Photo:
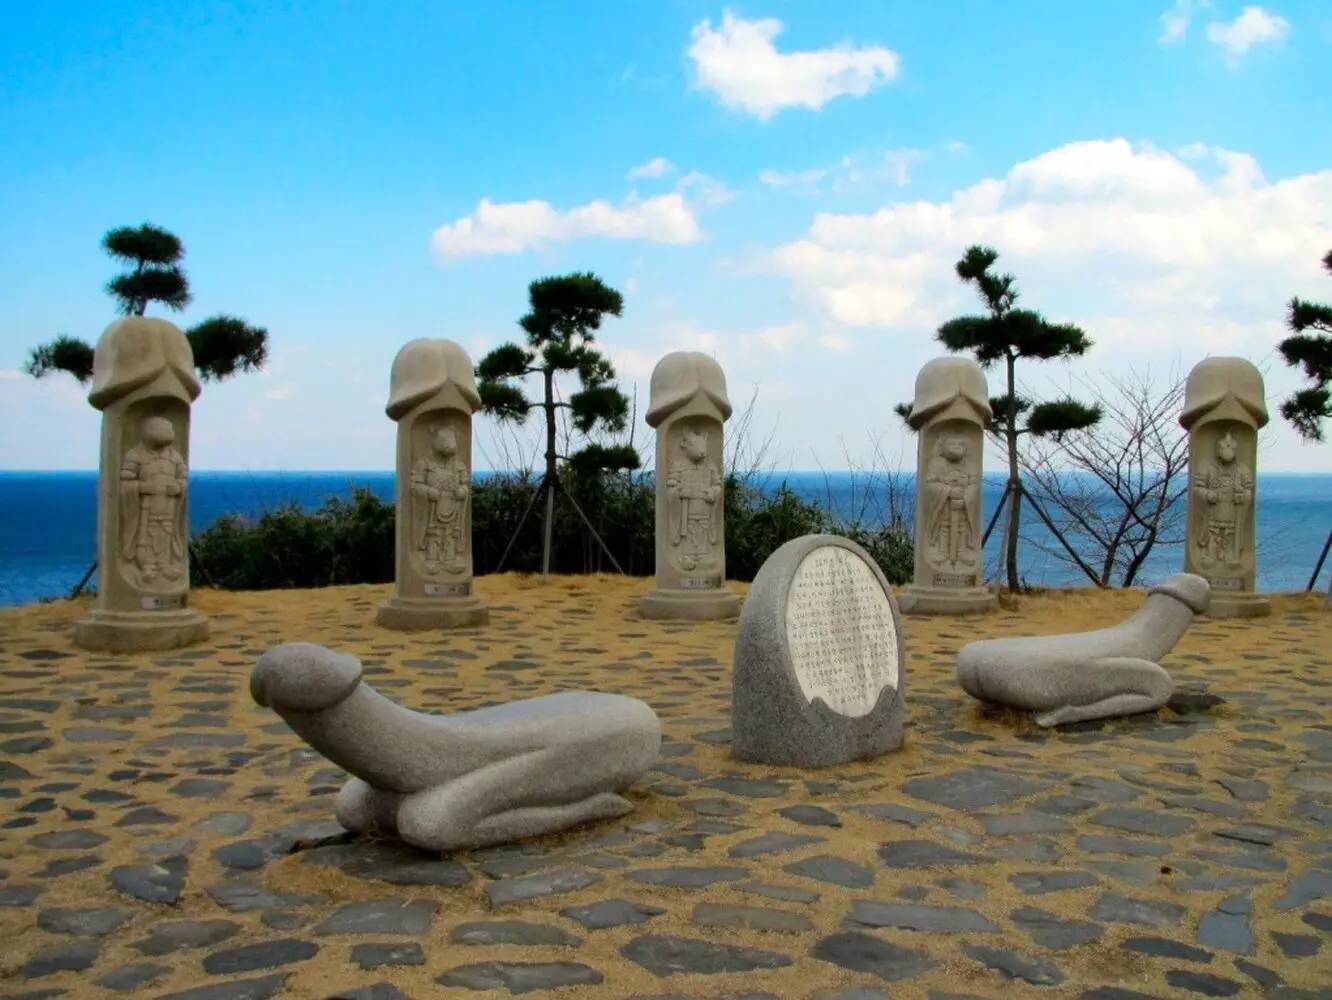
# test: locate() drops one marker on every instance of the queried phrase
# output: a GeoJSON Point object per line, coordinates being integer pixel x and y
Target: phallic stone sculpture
{"type": "Point", "coordinates": [949, 413]}
{"type": "Point", "coordinates": [1088, 675]}
{"type": "Point", "coordinates": [143, 382]}
{"type": "Point", "coordinates": [432, 396]}
{"type": "Point", "coordinates": [687, 408]}
{"type": "Point", "coordinates": [820, 659]}
{"type": "Point", "coordinates": [1224, 407]}
{"type": "Point", "coordinates": [475, 779]}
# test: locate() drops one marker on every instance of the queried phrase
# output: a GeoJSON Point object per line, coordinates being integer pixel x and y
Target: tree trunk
{"type": "Point", "coordinates": [549, 407]}
{"type": "Point", "coordinates": [1014, 485]}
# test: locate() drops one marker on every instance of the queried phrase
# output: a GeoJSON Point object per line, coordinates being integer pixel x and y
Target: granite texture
{"type": "Point", "coordinates": [474, 779]}
{"type": "Point", "coordinates": [1088, 675]}
{"type": "Point", "coordinates": [772, 722]}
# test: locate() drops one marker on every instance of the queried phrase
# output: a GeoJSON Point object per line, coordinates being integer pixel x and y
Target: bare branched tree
{"type": "Point", "coordinates": [1118, 489]}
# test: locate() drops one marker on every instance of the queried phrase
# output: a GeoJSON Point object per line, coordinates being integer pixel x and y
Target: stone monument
{"type": "Point", "coordinates": [820, 659]}
{"type": "Point", "coordinates": [1224, 406]}
{"type": "Point", "coordinates": [1088, 675]}
{"type": "Point", "coordinates": [474, 779]}
{"type": "Point", "coordinates": [432, 396]}
{"type": "Point", "coordinates": [143, 383]}
{"type": "Point", "coordinates": [687, 408]}
{"type": "Point", "coordinates": [949, 415]}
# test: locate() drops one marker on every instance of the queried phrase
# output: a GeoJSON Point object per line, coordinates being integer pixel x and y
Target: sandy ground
{"type": "Point", "coordinates": [73, 723]}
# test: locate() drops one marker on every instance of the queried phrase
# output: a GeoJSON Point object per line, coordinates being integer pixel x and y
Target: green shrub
{"type": "Point", "coordinates": [349, 541]}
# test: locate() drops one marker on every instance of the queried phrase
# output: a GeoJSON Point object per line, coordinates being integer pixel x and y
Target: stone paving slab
{"type": "Point", "coordinates": [163, 837]}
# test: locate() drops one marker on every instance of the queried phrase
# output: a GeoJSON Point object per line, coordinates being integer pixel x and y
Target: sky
{"type": "Point", "coordinates": [783, 184]}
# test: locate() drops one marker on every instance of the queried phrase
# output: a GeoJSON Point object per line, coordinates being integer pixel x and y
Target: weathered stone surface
{"type": "Point", "coordinates": [168, 937]}
{"type": "Point", "coordinates": [809, 815]}
{"type": "Point", "coordinates": [264, 955]}
{"type": "Point", "coordinates": [1092, 675]}
{"type": "Point", "coordinates": [1115, 908]}
{"type": "Point", "coordinates": [84, 923]}
{"type": "Point", "coordinates": [521, 977]}
{"type": "Point", "coordinates": [771, 843]}
{"type": "Point", "coordinates": [919, 853]}
{"type": "Point", "coordinates": [836, 871]}
{"type": "Point", "coordinates": [161, 882]}
{"type": "Point", "coordinates": [74, 956]}
{"type": "Point", "coordinates": [376, 956]}
{"type": "Point", "coordinates": [381, 916]}
{"type": "Point", "coordinates": [684, 877]}
{"type": "Point", "coordinates": [397, 864]}
{"type": "Point", "coordinates": [552, 883]}
{"type": "Point", "coordinates": [1146, 821]}
{"type": "Point", "coordinates": [665, 955]}
{"type": "Point", "coordinates": [919, 917]}
{"type": "Point", "coordinates": [859, 952]}
{"type": "Point", "coordinates": [612, 913]}
{"type": "Point", "coordinates": [1159, 947]}
{"type": "Point", "coordinates": [1229, 927]}
{"type": "Point", "coordinates": [1203, 983]}
{"type": "Point", "coordinates": [1039, 883]}
{"type": "Point", "coordinates": [131, 978]}
{"type": "Point", "coordinates": [972, 788]}
{"type": "Point", "coordinates": [491, 932]}
{"type": "Point", "coordinates": [751, 918]}
{"type": "Point", "coordinates": [1011, 965]}
{"type": "Point", "coordinates": [569, 754]}
{"type": "Point", "coordinates": [1054, 932]}
{"type": "Point", "coordinates": [261, 988]}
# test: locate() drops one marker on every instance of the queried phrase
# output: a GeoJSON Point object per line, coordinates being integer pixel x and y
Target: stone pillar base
{"type": "Point", "coordinates": [1230, 604]}
{"type": "Point", "coordinates": [939, 601]}
{"type": "Point", "coordinates": [139, 632]}
{"type": "Point", "coordinates": [418, 614]}
{"type": "Point", "coordinates": [692, 605]}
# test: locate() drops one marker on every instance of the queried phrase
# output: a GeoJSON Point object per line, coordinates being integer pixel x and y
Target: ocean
{"type": "Point", "coordinates": [48, 522]}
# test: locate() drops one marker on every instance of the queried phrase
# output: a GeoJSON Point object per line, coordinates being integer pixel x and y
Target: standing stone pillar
{"type": "Point", "coordinates": [687, 408]}
{"type": "Point", "coordinates": [949, 414]}
{"type": "Point", "coordinates": [1224, 406]}
{"type": "Point", "coordinates": [143, 383]}
{"type": "Point", "coordinates": [432, 396]}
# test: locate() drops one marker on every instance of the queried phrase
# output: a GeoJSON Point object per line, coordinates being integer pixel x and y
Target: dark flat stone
{"type": "Point", "coordinates": [1054, 932]}
{"type": "Point", "coordinates": [665, 955]}
{"type": "Point", "coordinates": [920, 917]}
{"type": "Point", "coordinates": [771, 843]}
{"type": "Point", "coordinates": [1297, 945]}
{"type": "Point", "coordinates": [392, 862]}
{"type": "Point", "coordinates": [263, 988]}
{"type": "Point", "coordinates": [1011, 965]}
{"type": "Point", "coordinates": [1147, 821]}
{"type": "Point", "coordinates": [162, 882]}
{"type": "Point", "coordinates": [84, 923]}
{"type": "Point", "coordinates": [895, 813]}
{"type": "Point", "coordinates": [612, 913]}
{"type": "Point", "coordinates": [754, 918]}
{"type": "Point", "coordinates": [129, 978]}
{"type": "Point", "coordinates": [1099, 844]}
{"type": "Point", "coordinates": [858, 952]}
{"type": "Point", "coordinates": [1198, 803]}
{"type": "Point", "coordinates": [919, 853]}
{"type": "Point", "coordinates": [241, 896]}
{"type": "Point", "coordinates": [971, 788]}
{"type": "Point", "coordinates": [69, 840]}
{"type": "Point", "coordinates": [27, 744]}
{"type": "Point", "coordinates": [264, 955]}
{"type": "Point", "coordinates": [377, 991]}
{"type": "Point", "coordinates": [200, 788]}
{"type": "Point", "coordinates": [251, 855]}
{"type": "Point", "coordinates": [1305, 888]}
{"type": "Point", "coordinates": [1229, 927]}
{"type": "Point", "coordinates": [375, 956]}
{"type": "Point", "coordinates": [833, 870]}
{"type": "Point", "coordinates": [684, 877]}
{"type": "Point", "coordinates": [1202, 983]}
{"type": "Point", "coordinates": [1159, 947]}
{"type": "Point", "coordinates": [1115, 908]}
{"type": "Point", "coordinates": [750, 788]}
{"type": "Point", "coordinates": [1115, 993]}
{"type": "Point", "coordinates": [521, 977]}
{"type": "Point", "coordinates": [561, 880]}
{"type": "Point", "coordinates": [1022, 824]}
{"type": "Point", "coordinates": [809, 815]}
{"type": "Point", "coordinates": [145, 816]}
{"type": "Point", "coordinates": [381, 916]}
{"type": "Point", "coordinates": [491, 932]}
{"type": "Point", "coordinates": [783, 893]}
{"type": "Point", "coordinates": [75, 956]}
{"type": "Point", "coordinates": [20, 895]}
{"type": "Point", "coordinates": [168, 937]}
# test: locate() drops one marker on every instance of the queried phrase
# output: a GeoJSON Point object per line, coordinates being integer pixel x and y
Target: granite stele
{"type": "Point", "coordinates": [819, 658]}
{"type": "Point", "coordinates": [474, 779]}
{"type": "Point", "coordinates": [1088, 675]}
{"type": "Point", "coordinates": [143, 383]}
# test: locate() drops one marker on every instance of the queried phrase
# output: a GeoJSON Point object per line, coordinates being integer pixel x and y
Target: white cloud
{"type": "Point", "coordinates": [512, 227]}
{"type": "Point", "coordinates": [658, 166]}
{"type": "Point", "coordinates": [1150, 251]}
{"type": "Point", "coordinates": [1253, 26]}
{"type": "Point", "coordinates": [1175, 22]}
{"type": "Point", "coordinates": [739, 62]}
{"type": "Point", "coordinates": [956, 146]}
{"type": "Point", "coordinates": [10, 374]}
{"type": "Point", "coordinates": [704, 190]}
{"type": "Point", "coordinates": [892, 166]}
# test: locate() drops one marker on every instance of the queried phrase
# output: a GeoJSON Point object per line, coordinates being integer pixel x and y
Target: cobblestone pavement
{"type": "Point", "coordinates": [162, 836]}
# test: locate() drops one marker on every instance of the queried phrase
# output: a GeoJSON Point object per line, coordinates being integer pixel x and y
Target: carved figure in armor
{"type": "Point", "coordinates": [952, 495]}
{"type": "Point", "coordinates": [1225, 486]}
{"type": "Point", "coordinates": [441, 490]}
{"type": "Point", "coordinates": [153, 485]}
{"type": "Point", "coordinates": [693, 489]}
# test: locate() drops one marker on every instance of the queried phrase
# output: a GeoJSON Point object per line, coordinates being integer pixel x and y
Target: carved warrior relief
{"type": "Point", "coordinates": [694, 493]}
{"type": "Point", "coordinates": [441, 492]}
{"type": "Point", "coordinates": [154, 481]}
{"type": "Point", "coordinates": [1223, 503]}
{"type": "Point", "coordinates": [952, 498]}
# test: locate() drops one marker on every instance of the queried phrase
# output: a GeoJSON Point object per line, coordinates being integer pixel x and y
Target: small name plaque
{"type": "Point", "coordinates": [449, 589]}
{"type": "Point", "coordinates": [170, 603]}
{"type": "Point", "coordinates": [1231, 584]}
{"type": "Point", "coordinates": [954, 580]}
{"type": "Point", "coordinates": [700, 582]}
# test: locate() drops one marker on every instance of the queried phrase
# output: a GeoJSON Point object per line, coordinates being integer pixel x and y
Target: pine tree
{"type": "Point", "coordinates": [1007, 334]}
{"type": "Point", "coordinates": [564, 314]}
{"type": "Point", "coordinates": [1309, 407]}
{"type": "Point", "coordinates": [222, 345]}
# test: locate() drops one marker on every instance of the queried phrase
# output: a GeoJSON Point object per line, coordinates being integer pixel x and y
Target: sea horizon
{"type": "Point", "coordinates": [48, 519]}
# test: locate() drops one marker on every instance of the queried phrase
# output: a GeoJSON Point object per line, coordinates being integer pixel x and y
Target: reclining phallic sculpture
{"type": "Point", "coordinates": [473, 779]}
{"type": "Point", "coordinates": [1088, 675]}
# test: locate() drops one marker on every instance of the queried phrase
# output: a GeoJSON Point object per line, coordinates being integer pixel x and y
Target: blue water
{"type": "Point", "coordinates": [48, 522]}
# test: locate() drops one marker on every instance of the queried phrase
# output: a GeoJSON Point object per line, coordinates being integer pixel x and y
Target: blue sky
{"type": "Point", "coordinates": [784, 184]}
